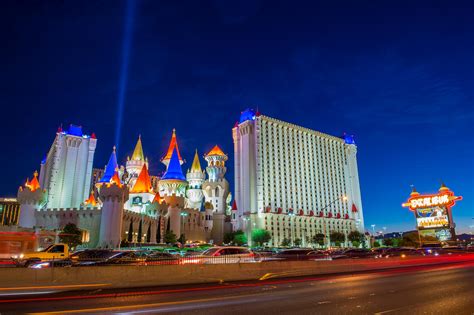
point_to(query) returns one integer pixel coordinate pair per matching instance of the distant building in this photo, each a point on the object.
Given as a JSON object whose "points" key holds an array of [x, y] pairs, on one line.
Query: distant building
{"points": [[293, 181], [9, 211]]}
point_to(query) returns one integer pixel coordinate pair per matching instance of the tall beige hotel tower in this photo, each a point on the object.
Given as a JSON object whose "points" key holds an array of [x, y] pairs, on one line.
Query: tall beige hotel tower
{"points": [[293, 181]]}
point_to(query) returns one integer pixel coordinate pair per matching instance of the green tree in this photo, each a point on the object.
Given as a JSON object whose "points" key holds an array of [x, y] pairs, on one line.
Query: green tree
{"points": [[319, 239], [229, 237], [410, 240], [356, 238], [260, 236], [71, 235], [285, 242], [297, 242], [182, 239], [388, 242], [337, 238], [376, 244], [239, 238], [170, 238]]}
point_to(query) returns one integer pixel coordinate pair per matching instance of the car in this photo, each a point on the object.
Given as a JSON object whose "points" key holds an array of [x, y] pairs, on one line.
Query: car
{"points": [[51, 264], [160, 258], [353, 253], [172, 251], [402, 252], [302, 254], [90, 255], [223, 255], [114, 258]]}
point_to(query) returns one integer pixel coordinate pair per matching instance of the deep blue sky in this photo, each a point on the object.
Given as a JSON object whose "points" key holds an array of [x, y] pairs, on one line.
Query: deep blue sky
{"points": [[399, 77]]}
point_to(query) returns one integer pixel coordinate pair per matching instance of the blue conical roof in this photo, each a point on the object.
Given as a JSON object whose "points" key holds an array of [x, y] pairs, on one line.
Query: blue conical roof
{"points": [[110, 168], [174, 170]]}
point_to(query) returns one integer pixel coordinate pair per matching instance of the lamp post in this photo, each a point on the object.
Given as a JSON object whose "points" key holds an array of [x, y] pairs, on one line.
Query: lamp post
{"points": [[247, 229], [183, 214], [292, 214], [344, 198]]}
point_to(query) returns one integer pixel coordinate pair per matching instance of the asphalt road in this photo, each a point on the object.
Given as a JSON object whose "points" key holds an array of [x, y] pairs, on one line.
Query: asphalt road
{"points": [[445, 289]]}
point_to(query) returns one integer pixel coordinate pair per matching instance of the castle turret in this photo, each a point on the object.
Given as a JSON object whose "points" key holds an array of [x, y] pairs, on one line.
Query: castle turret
{"points": [[113, 195], [216, 190], [67, 168], [31, 199], [172, 188], [195, 178], [135, 164]]}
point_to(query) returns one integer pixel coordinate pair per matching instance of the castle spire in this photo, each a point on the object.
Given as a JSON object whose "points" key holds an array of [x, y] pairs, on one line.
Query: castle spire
{"points": [[196, 167], [143, 183], [173, 146], [138, 152], [174, 171], [110, 169], [216, 151], [33, 185], [91, 200]]}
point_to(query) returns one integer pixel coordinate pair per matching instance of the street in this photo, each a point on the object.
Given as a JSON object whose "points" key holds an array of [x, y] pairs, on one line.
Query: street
{"points": [[444, 289]]}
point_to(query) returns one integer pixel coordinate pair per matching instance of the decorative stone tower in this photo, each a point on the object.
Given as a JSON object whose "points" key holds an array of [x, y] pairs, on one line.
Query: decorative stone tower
{"points": [[216, 190], [172, 188], [31, 199], [135, 164], [195, 178], [66, 171], [113, 196]]}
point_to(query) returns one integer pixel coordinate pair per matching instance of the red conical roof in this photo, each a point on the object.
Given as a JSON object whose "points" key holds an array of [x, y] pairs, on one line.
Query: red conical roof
{"points": [[143, 183], [116, 179], [234, 205], [216, 151], [173, 144], [91, 200], [33, 185]]}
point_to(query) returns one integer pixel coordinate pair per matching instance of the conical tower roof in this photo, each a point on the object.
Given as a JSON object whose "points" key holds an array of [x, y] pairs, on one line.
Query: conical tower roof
{"points": [[216, 151], [112, 165], [143, 183], [234, 205], [116, 179], [138, 152], [33, 185], [174, 170], [91, 200], [196, 167], [173, 146]]}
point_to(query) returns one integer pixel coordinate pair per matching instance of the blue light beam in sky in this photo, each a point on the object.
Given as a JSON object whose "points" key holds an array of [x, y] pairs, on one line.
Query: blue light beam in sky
{"points": [[126, 46]]}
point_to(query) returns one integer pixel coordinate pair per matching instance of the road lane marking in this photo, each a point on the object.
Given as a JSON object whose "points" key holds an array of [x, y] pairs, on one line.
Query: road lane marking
{"points": [[141, 306], [55, 287]]}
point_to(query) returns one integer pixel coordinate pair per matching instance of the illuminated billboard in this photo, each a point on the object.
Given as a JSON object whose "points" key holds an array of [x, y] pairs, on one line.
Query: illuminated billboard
{"points": [[433, 213]]}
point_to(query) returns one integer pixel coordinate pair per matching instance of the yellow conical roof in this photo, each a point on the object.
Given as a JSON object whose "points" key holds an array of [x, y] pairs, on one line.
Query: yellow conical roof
{"points": [[196, 167], [138, 152]]}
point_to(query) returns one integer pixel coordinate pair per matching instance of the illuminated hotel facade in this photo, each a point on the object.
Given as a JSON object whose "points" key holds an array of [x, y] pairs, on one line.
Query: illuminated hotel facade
{"points": [[293, 181]]}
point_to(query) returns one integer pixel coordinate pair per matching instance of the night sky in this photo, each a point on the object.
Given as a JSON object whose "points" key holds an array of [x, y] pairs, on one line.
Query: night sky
{"points": [[398, 77]]}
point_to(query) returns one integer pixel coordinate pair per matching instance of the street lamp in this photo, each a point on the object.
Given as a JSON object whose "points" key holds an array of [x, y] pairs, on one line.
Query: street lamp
{"points": [[343, 198], [292, 214], [183, 214]]}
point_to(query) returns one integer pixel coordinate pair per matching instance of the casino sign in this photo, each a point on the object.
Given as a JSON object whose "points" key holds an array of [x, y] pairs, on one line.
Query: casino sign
{"points": [[433, 213]]}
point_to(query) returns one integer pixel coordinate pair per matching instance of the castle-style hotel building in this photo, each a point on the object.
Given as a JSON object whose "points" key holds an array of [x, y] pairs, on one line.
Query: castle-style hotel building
{"points": [[293, 181]]}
